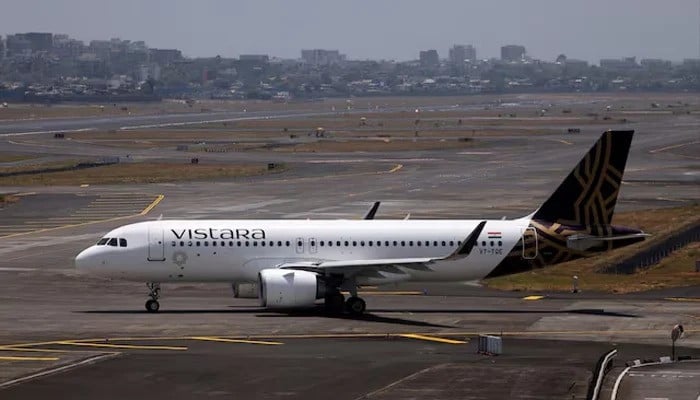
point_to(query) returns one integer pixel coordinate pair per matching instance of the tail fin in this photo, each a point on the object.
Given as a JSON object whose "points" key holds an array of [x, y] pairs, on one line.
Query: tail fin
{"points": [[588, 195]]}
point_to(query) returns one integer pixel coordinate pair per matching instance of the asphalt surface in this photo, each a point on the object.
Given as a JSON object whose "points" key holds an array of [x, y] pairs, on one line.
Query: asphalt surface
{"points": [[554, 339]]}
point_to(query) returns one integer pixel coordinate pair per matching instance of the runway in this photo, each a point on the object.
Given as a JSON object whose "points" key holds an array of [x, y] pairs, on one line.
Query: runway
{"points": [[206, 343]]}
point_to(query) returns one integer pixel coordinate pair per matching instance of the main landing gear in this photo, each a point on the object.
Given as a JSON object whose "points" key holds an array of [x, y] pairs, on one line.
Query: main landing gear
{"points": [[152, 305], [336, 304]]}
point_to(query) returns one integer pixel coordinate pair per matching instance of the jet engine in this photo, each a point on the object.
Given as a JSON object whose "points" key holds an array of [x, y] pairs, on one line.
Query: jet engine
{"points": [[284, 288]]}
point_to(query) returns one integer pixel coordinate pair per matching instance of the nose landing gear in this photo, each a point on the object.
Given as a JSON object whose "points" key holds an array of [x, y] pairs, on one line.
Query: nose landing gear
{"points": [[152, 305]]}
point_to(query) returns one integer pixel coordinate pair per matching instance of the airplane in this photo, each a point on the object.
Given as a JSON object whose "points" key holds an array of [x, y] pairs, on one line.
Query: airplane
{"points": [[295, 263]]}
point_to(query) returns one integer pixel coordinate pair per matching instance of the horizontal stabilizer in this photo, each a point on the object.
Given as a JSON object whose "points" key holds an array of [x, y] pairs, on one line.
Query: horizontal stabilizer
{"points": [[585, 242]]}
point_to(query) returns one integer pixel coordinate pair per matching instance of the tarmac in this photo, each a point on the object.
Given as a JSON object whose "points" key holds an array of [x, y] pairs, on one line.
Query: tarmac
{"points": [[88, 337]]}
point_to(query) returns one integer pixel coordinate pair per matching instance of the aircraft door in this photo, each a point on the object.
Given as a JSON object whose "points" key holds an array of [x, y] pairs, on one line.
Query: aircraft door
{"points": [[313, 246], [300, 245], [529, 243], [156, 244]]}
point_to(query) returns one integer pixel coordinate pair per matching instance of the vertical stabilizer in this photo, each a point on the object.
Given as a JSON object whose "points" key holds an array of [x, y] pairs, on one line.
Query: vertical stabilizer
{"points": [[587, 197]]}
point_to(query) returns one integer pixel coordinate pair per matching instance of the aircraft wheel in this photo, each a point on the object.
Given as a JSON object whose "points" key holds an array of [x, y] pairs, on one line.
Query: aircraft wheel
{"points": [[355, 306], [152, 306]]}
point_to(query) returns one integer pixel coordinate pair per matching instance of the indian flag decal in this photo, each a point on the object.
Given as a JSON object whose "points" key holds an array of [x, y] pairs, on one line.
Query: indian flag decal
{"points": [[494, 235]]}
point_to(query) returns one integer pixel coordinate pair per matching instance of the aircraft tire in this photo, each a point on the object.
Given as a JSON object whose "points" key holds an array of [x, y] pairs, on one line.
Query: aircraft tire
{"points": [[152, 306], [355, 306]]}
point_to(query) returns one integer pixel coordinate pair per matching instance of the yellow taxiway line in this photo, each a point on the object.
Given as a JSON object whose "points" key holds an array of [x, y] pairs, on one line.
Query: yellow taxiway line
{"points": [[389, 293], [533, 298], [431, 338], [396, 168], [224, 340], [122, 346], [153, 204], [20, 358], [689, 299], [142, 213]]}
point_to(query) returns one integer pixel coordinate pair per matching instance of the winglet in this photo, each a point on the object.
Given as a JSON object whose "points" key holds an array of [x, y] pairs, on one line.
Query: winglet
{"points": [[372, 211], [468, 243]]}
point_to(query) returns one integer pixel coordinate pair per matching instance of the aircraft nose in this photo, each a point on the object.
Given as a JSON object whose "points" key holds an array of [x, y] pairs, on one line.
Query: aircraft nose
{"points": [[86, 260]]}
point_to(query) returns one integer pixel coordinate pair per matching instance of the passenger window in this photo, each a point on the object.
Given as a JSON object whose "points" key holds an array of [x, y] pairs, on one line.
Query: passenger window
{"points": [[362, 243], [122, 242], [182, 244], [213, 243], [103, 241], [330, 243], [206, 243], [287, 243], [500, 243], [386, 243], [403, 243], [483, 243], [418, 243], [395, 243], [262, 243], [410, 242], [443, 243], [427, 243], [247, 243], [238, 243], [452, 243], [223, 244], [379, 243], [492, 243], [272, 243], [112, 242], [255, 244], [279, 243], [354, 243], [198, 243], [435, 243]]}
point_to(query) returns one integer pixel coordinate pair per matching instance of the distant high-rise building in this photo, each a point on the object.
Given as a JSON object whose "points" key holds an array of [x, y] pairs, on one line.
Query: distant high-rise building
{"points": [[322, 57], [512, 52], [164, 56], [27, 43], [461, 53], [2, 48], [429, 58], [619, 64]]}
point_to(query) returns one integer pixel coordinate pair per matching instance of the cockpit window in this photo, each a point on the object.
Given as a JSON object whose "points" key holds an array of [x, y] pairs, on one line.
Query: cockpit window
{"points": [[112, 242], [122, 242], [103, 241]]}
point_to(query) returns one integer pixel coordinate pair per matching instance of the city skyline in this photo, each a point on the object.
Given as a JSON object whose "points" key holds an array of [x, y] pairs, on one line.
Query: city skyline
{"points": [[644, 29]]}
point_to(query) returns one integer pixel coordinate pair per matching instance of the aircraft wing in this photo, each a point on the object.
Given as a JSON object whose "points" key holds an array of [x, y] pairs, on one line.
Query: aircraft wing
{"points": [[391, 265]]}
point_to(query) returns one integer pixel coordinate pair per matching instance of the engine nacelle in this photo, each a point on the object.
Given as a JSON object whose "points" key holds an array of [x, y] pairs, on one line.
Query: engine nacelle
{"points": [[284, 288], [245, 290]]}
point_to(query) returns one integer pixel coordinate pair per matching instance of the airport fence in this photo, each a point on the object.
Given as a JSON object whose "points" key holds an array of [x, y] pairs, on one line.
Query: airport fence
{"points": [[657, 252]]}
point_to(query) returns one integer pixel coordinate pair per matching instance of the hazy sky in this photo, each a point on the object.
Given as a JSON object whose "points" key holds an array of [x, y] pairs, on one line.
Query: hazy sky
{"points": [[379, 29]]}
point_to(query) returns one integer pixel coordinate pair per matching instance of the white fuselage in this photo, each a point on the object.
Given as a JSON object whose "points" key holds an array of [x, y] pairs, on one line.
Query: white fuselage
{"points": [[237, 250]]}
